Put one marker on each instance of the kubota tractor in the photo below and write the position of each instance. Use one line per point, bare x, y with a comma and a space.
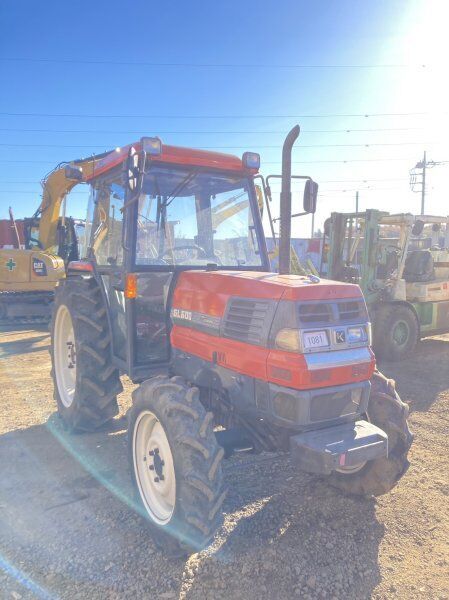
176, 292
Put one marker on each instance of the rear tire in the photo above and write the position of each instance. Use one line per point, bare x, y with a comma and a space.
387, 411
171, 434
395, 332
85, 383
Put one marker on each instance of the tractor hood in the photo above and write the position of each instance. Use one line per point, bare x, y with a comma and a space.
209, 292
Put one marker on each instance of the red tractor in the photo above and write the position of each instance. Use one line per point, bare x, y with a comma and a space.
176, 291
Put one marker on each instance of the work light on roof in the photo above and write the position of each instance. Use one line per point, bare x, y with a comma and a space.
152, 146
251, 160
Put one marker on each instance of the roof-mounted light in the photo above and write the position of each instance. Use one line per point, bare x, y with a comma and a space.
251, 160
152, 146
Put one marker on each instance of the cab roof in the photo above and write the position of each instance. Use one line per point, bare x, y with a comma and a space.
173, 155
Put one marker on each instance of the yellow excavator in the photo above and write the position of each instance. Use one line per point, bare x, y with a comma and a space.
29, 272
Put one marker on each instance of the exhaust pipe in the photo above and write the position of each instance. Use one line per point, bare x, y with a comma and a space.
286, 202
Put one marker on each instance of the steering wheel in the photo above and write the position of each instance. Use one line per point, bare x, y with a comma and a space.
201, 253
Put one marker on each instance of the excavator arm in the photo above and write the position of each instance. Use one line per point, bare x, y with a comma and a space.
55, 187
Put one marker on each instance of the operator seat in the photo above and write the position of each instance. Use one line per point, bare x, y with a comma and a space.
419, 266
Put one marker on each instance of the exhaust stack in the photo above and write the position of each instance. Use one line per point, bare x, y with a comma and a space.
286, 202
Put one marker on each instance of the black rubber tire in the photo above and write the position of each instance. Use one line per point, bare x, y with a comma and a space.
197, 460
97, 381
387, 411
386, 318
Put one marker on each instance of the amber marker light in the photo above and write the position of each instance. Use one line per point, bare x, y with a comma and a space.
131, 286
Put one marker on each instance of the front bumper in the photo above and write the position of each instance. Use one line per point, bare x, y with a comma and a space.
347, 445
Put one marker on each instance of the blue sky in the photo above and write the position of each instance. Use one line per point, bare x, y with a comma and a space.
248, 102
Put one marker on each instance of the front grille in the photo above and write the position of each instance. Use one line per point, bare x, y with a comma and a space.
245, 320
331, 406
310, 314
313, 314
351, 311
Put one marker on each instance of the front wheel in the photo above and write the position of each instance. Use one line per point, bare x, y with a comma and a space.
176, 464
379, 476
395, 332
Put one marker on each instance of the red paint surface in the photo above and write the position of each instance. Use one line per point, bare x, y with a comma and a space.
208, 292
260, 363
174, 155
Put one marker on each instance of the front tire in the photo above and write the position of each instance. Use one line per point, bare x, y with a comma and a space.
395, 332
85, 383
175, 462
379, 476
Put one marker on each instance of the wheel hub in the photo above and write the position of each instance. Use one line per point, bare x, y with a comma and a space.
71, 355
401, 333
157, 466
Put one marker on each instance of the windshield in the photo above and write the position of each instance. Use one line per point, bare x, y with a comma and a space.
194, 217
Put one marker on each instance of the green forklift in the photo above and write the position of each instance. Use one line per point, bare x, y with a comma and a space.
401, 262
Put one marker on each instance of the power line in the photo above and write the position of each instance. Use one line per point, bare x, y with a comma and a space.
275, 162
280, 132
128, 63
233, 147
250, 116
272, 184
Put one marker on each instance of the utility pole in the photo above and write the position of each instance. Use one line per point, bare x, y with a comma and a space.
422, 166
423, 187
357, 202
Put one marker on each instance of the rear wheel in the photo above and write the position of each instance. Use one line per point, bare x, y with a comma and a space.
377, 477
85, 383
176, 464
395, 331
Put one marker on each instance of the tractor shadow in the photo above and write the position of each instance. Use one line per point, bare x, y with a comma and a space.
422, 376
69, 513
26, 346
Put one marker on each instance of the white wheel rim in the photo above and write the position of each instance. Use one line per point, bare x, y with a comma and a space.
154, 468
65, 356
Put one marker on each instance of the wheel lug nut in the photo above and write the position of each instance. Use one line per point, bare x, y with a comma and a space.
156, 479
151, 467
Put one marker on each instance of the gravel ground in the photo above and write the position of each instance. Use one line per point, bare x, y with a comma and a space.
68, 528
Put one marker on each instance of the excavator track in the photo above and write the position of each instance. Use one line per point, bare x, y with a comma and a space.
12, 302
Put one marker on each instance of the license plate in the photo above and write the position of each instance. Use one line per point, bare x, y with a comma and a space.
315, 339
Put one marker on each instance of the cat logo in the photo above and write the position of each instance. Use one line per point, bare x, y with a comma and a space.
39, 267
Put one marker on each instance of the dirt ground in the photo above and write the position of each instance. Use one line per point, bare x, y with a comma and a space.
68, 528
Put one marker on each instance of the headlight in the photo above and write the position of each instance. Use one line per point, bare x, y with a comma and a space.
288, 339
356, 334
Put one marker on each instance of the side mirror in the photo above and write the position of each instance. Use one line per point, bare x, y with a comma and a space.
73, 173
310, 196
134, 169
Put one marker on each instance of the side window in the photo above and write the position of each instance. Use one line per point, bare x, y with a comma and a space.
107, 223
